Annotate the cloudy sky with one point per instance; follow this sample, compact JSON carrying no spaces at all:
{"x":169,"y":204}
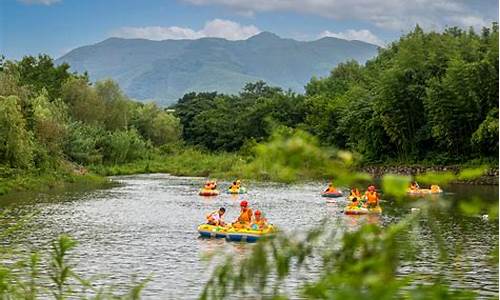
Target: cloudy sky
{"x":57,"y":26}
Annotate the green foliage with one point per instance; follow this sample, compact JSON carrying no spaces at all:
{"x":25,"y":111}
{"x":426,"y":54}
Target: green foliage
{"x":40,"y":73}
{"x":115,"y":103}
{"x":84,"y":143}
{"x":219,"y":122}
{"x":160,"y":127}
{"x":83,"y":101}
{"x":289,"y":155}
{"x":124,"y":146}
{"x":485,"y":138}
{"x":427,"y":97}
{"x":395,"y":185}
{"x":183,"y":162}
{"x":50,"y":123}
{"x":60,"y":270}
{"x":15,"y":140}
{"x":51,"y":119}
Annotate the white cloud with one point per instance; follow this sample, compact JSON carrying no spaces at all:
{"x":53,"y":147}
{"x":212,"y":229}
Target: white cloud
{"x":215,"y":28}
{"x":387,"y":14}
{"x":43,"y":2}
{"x":364,"y":35}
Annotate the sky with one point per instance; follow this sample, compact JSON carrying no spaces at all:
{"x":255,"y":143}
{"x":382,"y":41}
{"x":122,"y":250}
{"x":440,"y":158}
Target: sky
{"x":54,"y":27}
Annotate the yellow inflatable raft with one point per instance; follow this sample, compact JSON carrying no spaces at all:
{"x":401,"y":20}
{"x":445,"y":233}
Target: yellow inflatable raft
{"x":249,"y":235}
{"x":211,"y":231}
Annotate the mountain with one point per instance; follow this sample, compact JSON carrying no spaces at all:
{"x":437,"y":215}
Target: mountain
{"x":165,"y":70}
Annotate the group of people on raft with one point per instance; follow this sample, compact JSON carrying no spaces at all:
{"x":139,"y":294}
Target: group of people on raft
{"x":210,"y":185}
{"x":246,"y":220}
{"x":370,"y":199}
{"x":415,"y":188}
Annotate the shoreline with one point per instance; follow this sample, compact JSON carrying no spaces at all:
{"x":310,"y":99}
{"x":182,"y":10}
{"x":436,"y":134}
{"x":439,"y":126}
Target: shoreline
{"x":491,"y":176}
{"x":98,"y":177}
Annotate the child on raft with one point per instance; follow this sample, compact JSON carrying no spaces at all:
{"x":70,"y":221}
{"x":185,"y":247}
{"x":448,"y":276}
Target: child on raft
{"x":215,"y":217}
{"x":355,"y":193}
{"x":330,"y":188}
{"x":235,"y":186}
{"x":259,"y":222}
{"x":245,"y":218}
{"x":355,"y":203}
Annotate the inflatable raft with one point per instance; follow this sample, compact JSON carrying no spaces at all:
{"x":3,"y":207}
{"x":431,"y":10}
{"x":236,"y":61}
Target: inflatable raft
{"x":211,"y":231}
{"x":208,"y":192}
{"x":362,"y":210}
{"x":331,"y":194}
{"x":421,"y":192}
{"x":350,"y":198}
{"x":241,"y":190}
{"x":249,"y":235}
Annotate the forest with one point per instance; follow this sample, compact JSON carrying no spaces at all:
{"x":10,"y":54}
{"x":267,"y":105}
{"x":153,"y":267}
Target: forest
{"x":429,"y":98}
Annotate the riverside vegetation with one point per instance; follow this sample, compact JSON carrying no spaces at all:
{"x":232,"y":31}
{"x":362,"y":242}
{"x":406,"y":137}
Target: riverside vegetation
{"x":430,"y":97}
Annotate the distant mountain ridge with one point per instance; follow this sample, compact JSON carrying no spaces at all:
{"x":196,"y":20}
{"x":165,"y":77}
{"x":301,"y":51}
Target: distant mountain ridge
{"x":166,"y":70}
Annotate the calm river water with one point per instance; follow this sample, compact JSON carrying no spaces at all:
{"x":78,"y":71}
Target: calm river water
{"x":147,"y":226}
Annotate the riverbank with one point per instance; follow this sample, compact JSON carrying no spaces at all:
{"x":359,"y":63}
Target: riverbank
{"x":186,"y":162}
{"x":490,"y":177}
{"x":36,"y":182}
{"x":192,"y":162}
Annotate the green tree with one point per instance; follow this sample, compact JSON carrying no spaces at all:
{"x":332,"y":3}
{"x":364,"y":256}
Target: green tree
{"x":84,"y":143}
{"x":16,"y":142}
{"x":83,"y":101}
{"x":41,"y":73}
{"x":115,"y":103}
{"x":153,"y":123}
{"x":50,"y":123}
{"x":485,"y":138}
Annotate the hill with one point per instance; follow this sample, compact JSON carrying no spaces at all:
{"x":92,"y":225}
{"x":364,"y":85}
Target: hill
{"x":165,"y":70}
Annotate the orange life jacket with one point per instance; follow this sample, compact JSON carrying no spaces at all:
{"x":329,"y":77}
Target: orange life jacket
{"x":371,"y":197}
{"x":262,"y":223}
{"x":246,"y":216}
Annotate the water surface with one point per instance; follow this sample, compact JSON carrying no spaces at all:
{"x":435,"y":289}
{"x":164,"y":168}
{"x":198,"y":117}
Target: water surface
{"x":147,"y":226}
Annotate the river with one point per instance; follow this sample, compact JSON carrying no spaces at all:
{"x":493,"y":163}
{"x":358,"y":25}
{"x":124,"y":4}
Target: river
{"x":146,"y":226}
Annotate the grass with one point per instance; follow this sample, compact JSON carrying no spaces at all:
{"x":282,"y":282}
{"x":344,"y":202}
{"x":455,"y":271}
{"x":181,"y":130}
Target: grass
{"x":186,"y":162}
{"x":40,"y":182}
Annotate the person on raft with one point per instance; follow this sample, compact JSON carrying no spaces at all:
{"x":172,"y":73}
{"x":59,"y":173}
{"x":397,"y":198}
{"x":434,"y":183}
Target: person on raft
{"x":355,"y":193}
{"x":259,"y":222}
{"x":355,"y":203}
{"x":215,"y":217}
{"x":235,"y":186}
{"x":245,"y":218}
{"x":372,"y":198}
{"x":414,"y":186}
{"x":211,"y":185}
{"x":331,"y":188}
{"x":435,"y":189}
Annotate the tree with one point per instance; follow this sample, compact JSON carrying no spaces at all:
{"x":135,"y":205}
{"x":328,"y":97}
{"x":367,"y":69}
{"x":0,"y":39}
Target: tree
{"x":41,"y":73}
{"x":115,"y":103}
{"x":16,"y":146}
{"x":83,"y":101}
{"x":485,"y":138}
{"x":155,"y":124}
{"x":50,"y":125}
